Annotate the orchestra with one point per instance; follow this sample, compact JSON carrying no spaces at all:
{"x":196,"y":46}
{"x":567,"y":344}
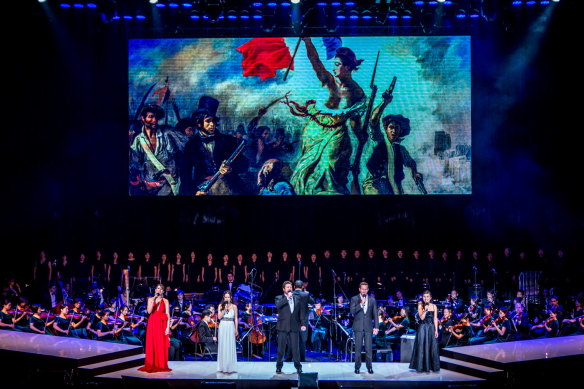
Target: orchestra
{"x":111,"y":306}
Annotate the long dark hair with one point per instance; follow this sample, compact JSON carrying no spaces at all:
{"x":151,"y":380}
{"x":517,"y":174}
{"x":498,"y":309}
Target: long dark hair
{"x":223,"y":302}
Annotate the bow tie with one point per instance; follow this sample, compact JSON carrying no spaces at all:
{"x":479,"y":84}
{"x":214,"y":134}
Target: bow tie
{"x":208,"y":139}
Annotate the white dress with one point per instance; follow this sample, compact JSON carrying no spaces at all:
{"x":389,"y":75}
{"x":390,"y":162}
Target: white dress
{"x":226,"y":349}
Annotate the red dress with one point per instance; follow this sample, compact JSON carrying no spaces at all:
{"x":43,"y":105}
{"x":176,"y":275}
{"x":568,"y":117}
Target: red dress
{"x":157,"y":342}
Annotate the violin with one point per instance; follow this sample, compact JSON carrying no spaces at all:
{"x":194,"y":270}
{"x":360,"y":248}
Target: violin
{"x":486,"y":319}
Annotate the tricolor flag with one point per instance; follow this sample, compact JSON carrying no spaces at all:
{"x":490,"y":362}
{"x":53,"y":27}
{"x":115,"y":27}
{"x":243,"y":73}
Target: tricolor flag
{"x":263,"y":56}
{"x":332,"y":43}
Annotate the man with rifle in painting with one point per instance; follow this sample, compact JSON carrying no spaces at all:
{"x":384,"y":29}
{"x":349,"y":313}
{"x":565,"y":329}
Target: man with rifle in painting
{"x":212,"y":160}
{"x":387,"y":161}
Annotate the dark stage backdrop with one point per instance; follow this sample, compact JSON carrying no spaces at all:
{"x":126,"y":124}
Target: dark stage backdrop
{"x":66,"y":158}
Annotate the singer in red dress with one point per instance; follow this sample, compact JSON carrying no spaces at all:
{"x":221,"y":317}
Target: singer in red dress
{"x":157,"y":333}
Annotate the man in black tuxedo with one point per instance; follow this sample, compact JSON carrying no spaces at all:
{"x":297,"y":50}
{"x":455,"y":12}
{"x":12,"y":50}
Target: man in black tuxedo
{"x":229,"y":284}
{"x":305,"y":299}
{"x":365,"y":325}
{"x":206,"y":336}
{"x":206,"y":152}
{"x":52,"y":297}
{"x":291,"y":319}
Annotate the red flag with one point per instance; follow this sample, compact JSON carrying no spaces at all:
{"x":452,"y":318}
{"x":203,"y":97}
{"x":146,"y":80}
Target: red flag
{"x":263,"y":56}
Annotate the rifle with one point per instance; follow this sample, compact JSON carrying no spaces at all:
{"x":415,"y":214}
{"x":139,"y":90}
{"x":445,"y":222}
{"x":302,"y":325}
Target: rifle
{"x":420,"y":184}
{"x":205,"y":186}
{"x":363,"y":139}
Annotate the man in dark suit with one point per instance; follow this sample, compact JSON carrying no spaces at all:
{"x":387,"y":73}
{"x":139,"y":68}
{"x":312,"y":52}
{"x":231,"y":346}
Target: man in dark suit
{"x":229,"y":284}
{"x":206,"y":152}
{"x":206,"y":336}
{"x":52,"y":297}
{"x":305,"y":299}
{"x":291,"y":319}
{"x":365,"y":325}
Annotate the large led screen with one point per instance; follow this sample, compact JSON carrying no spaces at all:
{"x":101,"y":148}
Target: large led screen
{"x":290,"y":116}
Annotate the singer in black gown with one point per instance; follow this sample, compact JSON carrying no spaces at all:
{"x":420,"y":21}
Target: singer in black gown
{"x":425,"y":355}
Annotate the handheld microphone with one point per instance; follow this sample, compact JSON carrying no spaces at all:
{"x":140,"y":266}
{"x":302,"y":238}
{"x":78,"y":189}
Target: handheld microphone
{"x":333,"y":271}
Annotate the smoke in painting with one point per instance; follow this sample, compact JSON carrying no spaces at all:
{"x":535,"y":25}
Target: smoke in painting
{"x":339,"y":115}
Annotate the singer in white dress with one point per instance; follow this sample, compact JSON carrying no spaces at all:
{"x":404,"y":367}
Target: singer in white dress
{"x":226,"y":348}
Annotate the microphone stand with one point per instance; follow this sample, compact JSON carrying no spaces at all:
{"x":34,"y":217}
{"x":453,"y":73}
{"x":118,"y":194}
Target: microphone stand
{"x":334,"y":321}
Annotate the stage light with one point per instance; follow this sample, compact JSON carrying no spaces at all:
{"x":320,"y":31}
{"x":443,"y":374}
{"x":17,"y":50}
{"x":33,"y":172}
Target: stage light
{"x":530,"y":2}
{"x":257,"y":15}
{"x":65,"y":5}
{"x":419,"y":2}
{"x":285,"y":4}
{"x":354,"y":14}
{"x":516,"y":2}
{"x":341,"y":15}
{"x":441,"y":1}
{"x":91,"y":5}
{"x":544,"y":2}
{"x":257,"y":4}
{"x":272,"y":4}
{"x":349,"y":3}
{"x":321,"y":4}
{"x":78,"y":5}
{"x":195,"y":15}
{"x":366,"y":14}
{"x":336,"y":4}
{"x":153,"y":1}
{"x":187,"y":5}
{"x":461,"y":14}
{"x":231,"y":14}
{"x":295,"y":1}
{"x":160,"y":5}
{"x":406,"y":14}
{"x":172,"y":4}
{"x":244,"y":14}
{"x":42,"y":1}
{"x":392,"y":14}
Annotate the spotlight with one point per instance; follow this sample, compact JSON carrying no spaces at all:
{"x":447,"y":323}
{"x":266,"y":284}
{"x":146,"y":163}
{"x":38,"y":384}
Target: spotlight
{"x":353,"y":14}
{"x":295,"y":1}
{"x":78,"y":5}
{"x":257,"y":4}
{"x":392,"y":14}
{"x":366,"y":14}
{"x":65,"y":5}
{"x":91,"y":5}
{"x":195,"y":15}
{"x":153,"y":1}
{"x":341,"y":14}
{"x":406,"y":14}
{"x":244,"y":14}
{"x":231,"y":14}
{"x":461,"y":14}
{"x":257,"y":15}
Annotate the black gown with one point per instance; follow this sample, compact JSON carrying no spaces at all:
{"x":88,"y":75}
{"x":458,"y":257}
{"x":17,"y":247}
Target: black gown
{"x":425,"y":355}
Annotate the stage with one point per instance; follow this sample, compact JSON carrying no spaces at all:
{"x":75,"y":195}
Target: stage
{"x":79,"y":362}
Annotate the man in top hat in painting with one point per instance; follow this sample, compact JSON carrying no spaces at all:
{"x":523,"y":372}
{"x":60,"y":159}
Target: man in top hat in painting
{"x":206,"y":152}
{"x":154,"y":157}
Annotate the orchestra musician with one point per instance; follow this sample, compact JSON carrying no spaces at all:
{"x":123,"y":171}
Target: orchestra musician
{"x":318,"y":327}
{"x":501,"y":325}
{"x":206,"y":336}
{"x":445,"y":325}
{"x":22,"y":315}
{"x":519,"y":322}
{"x":36,"y":322}
{"x":128,"y":327}
{"x":62,"y":323}
{"x":461,"y":333}
{"x":6,"y":317}
{"x":78,"y":319}
{"x":548,"y":328}
{"x":481,"y":325}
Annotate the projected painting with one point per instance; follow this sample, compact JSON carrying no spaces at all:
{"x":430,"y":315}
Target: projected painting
{"x":283,"y":116}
